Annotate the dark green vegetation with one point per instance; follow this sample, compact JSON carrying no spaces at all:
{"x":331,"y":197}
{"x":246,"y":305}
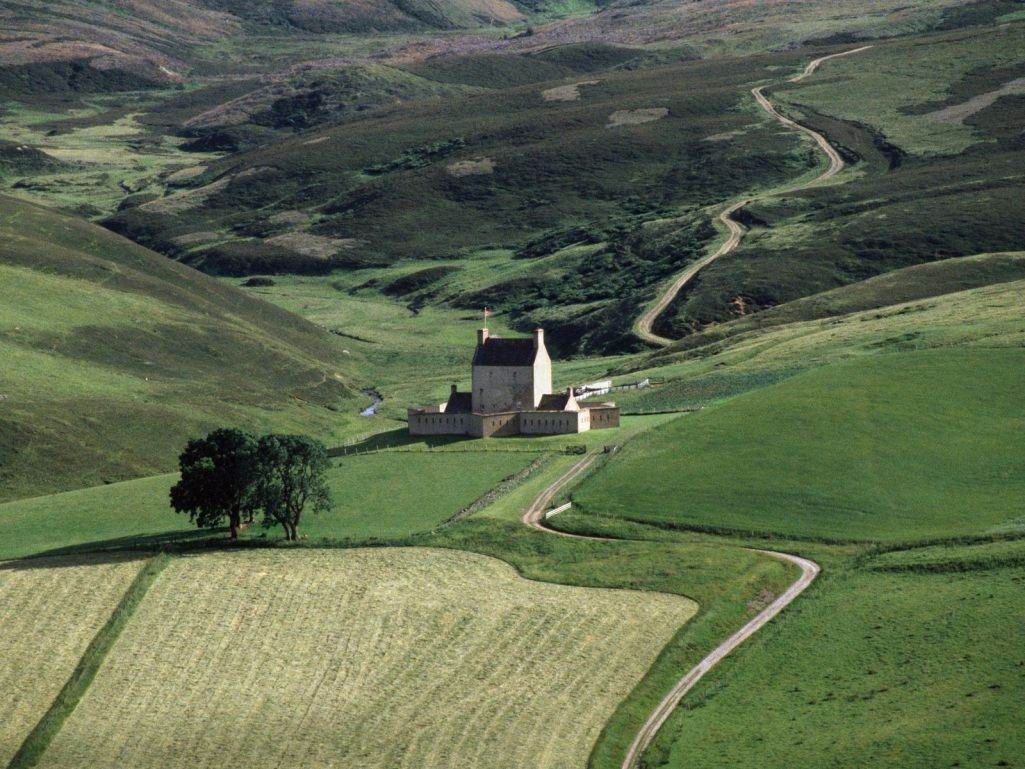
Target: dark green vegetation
{"x":512,"y":169}
{"x":231,"y":475}
{"x":906,"y":285}
{"x":19,"y":159}
{"x":121,"y":354}
{"x":39,"y":738}
{"x":896,"y":447}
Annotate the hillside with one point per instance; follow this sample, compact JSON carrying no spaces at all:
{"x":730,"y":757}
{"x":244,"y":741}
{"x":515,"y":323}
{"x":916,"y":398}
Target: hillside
{"x":925,"y":185}
{"x":94,"y":46}
{"x":900,"y":446}
{"x":611,"y":160}
{"x":122,"y":355}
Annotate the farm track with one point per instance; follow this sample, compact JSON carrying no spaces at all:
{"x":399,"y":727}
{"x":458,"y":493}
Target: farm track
{"x":534,"y":517}
{"x":644,"y":323}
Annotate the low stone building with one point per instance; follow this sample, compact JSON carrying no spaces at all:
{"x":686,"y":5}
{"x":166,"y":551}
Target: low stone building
{"x":511,"y":394}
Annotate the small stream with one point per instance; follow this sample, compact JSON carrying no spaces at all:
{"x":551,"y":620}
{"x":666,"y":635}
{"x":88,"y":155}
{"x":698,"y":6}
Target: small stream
{"x":377,"y":399}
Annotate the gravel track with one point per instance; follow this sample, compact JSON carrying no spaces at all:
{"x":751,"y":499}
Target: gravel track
{"x":644,"y":323}
{"x":534,"y":517}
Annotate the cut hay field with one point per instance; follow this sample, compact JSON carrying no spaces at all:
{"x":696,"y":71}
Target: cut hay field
{"x":373,"y":496}
{"x":377,"y":658}
{"x":50,"y":609}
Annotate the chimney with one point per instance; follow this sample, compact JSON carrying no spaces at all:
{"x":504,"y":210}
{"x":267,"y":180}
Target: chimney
{"x":482,"y":335}
{"x":539,"y":338}
{"x":453,"y":389}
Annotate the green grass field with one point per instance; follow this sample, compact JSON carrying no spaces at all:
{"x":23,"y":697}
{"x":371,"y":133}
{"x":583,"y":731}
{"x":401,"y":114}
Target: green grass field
{"x":375,"y":496}
{"x":910,"y":670}
{"x":892,"y":447}
{"x":372,"y":643}
{"x":50,"y":610}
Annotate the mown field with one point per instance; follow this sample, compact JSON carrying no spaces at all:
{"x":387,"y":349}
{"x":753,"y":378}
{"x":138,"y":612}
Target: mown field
{"x":399,"y":658}
{"x":375,"y":496}
{"x":50,"y":609}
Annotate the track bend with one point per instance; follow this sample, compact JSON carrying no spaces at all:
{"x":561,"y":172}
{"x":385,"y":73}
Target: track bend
{"x":534,"y":517}
{"x":643,"y":324}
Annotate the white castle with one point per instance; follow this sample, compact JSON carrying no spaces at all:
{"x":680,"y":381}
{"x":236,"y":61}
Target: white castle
{"x":511,"y":394}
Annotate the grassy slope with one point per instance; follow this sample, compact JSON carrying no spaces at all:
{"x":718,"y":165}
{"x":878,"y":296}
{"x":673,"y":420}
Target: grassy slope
{"x":122,"y":355}
{"x":902,"y":286}
{"x":984,"y":317}
{"x":889,"y":448}
{"x":551,"y":167}
{"x":902,"y":669}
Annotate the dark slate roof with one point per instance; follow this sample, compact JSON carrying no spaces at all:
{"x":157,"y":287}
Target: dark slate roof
{"x":553,"y":402}
{"x":459,"y":403}
{"x":505,"y":352}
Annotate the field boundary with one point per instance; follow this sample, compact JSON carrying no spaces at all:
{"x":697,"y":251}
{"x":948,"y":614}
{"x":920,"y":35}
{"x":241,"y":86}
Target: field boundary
{"x":505,"y":486}
{"x":39,"y":739}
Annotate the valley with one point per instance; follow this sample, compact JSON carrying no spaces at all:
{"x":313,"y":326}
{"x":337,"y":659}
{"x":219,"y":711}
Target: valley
{"x":788,"y":238}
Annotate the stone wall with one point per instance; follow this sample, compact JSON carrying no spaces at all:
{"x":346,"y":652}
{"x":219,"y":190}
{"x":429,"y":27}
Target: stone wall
{"x":503,"y":388}
{"x":554,"y":422}
{"x":488,"y":425}
{"x":439,"y":423}
{"x":603,"y":417}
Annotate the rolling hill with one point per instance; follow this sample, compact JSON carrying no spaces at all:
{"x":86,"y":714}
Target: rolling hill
{"x":122,"y":355}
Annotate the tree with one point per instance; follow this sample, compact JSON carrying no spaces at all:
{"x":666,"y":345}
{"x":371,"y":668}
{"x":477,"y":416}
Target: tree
{"x":291,"y":475}
{"x":218,"y":479}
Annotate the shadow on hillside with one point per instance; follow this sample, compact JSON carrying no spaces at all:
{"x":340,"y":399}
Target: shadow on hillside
{"x":118,"y":549}
{"x":394,"y":439}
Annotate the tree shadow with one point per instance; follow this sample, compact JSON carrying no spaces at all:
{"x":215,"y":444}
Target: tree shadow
{"x":119,"y":549}
{"x":398,"y":438}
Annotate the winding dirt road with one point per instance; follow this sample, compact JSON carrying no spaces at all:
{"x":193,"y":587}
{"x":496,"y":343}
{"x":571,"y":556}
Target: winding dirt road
{"x":534,"y":517}
{"x":643,"y":324}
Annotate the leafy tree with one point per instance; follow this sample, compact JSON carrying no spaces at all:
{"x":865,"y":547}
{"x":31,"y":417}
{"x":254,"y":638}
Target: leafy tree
{"x":291,"y":474}
{"x":218,"y":479}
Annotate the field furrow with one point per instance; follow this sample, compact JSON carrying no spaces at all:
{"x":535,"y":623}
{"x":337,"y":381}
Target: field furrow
{"x":369,"y":658}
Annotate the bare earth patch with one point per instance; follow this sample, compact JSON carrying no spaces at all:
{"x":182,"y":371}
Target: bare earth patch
{"x":566,"y":92}
{"x":307,"y":244}
{"x":187,"y":173}
{"x":473,"y":167}
{"x":294,"y":218}
{"x":958,"y":113}
{"x":623,"y":117}
{"x":185,"y":200}
{"x":192,"y":238}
